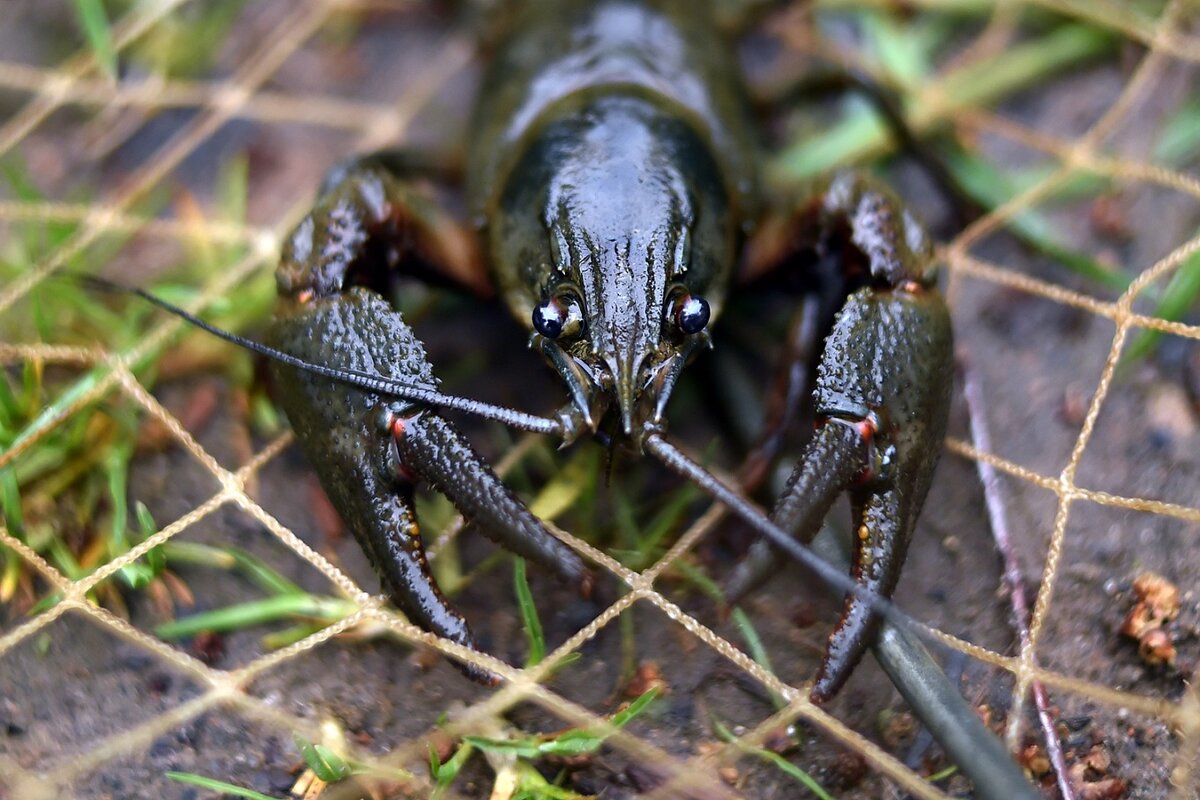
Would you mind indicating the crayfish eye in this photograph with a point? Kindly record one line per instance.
(689, 312)
(558, 315)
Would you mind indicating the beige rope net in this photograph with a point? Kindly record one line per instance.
(1162, 41)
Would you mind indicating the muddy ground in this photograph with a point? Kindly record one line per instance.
(1037, 363)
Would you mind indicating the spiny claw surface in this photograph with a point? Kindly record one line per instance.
(367, 450)
(883, 393)
(880, 399)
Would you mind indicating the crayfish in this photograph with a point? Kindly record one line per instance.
(615, 201)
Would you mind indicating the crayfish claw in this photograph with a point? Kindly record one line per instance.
(883, 528)
(881, 398)
(433, 449)
(391, 538)
(830, 461)
(884, 381)
(370, 449)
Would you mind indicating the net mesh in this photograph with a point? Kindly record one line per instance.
(246, 93)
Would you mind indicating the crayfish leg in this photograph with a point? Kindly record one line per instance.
(372, 223)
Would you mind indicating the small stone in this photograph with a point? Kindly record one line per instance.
(805, 615)
(1076, 723)
(1035, 760)
(1109, 217)
(896, 727)
(1157, 604)
(1098, 759)
(1168, 411)
(1074, 405)
(208, 647)
(779, 741)
(424, 658)
(1089, 777)
(1156, 648)
(1159, 593)
(848, 770)
(648, 676)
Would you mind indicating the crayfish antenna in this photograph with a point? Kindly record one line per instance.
(830, 461)
(685, 466)
(363, 380)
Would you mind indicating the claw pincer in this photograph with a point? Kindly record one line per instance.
(368, 450)
(882, 396)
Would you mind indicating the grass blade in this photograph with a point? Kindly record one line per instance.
(757, 651)
(777, 760)
(94, 21)
(1180, 295)
(218, 786)
(257, 612)
(529, 615)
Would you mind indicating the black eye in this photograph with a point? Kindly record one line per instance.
(556, 316)
(691, 313)
(549, 317)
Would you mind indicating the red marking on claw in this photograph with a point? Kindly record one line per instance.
(867, 429)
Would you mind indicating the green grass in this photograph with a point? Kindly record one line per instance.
(68, 495)
(182, 45)
(907, 61)
(215, 785)
(444, 773)
(1175, 302)
(324, 762)
(758, 650)
(779, 762)
(573, 742)
(529, 615)
(94, 21)
(1177, 145)
(519, 754)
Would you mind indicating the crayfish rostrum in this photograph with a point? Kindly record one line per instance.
(615, 201)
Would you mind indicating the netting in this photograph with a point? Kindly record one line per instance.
(1157, 41)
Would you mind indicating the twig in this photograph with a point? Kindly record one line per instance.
(993, 497)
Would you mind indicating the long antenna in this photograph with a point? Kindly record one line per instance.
(680, 463)
(363, 380)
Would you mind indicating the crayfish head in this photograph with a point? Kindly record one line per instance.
(620, 358)
(619, 314)
(633, 229)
